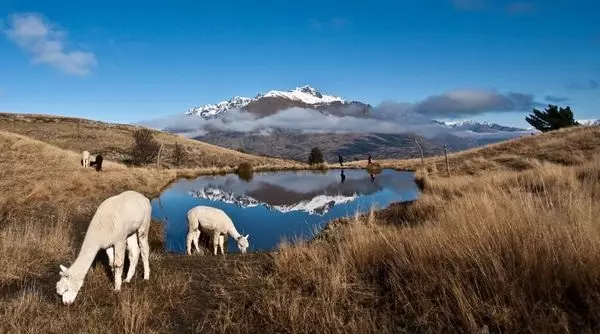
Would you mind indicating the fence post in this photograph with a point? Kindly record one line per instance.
(446, 156)
(420, 149)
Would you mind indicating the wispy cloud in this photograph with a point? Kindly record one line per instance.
(46, 43)
(584, 85)
(556, 99)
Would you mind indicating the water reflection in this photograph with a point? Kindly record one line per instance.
(270, 206)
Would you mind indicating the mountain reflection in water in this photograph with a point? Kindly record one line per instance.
(279, 205)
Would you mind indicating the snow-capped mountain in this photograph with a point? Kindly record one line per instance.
(274, 100)
(589, 122)
(318, 205)
(478, 127)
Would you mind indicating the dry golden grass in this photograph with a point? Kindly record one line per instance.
(569, 146)
(514, 248)
(114, 141)
(512, 251)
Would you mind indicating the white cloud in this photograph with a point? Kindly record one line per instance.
(47, 43)
(305, 120)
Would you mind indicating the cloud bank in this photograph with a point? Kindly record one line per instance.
(46, 43)
(389, 117)
(461, 103)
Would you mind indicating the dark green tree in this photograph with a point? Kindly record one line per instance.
(315, 156)
(552, 118)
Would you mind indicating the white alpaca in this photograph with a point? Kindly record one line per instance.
(212, 220)
(85, 159)
(117, 224)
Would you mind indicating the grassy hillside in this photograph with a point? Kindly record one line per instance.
(114, 141)
(512, 248)
(570, 146)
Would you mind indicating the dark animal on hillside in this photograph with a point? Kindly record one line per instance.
(340, 159)
(97, 163)
(369, 157)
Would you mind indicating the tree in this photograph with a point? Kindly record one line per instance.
(315, 156)
(179, 154)
(552, 118)
(145, 147)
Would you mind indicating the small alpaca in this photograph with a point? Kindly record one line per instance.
(85, 159)
(216, 221)
(117, 224)
(97, 163)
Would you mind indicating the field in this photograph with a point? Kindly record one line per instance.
(509, 243)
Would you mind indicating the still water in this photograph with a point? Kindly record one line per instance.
(279, 205)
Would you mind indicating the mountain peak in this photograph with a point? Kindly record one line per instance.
(302, 94)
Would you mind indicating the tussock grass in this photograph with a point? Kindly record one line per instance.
(510, 251)
(569, 147)
(511, 242)
(114, 141)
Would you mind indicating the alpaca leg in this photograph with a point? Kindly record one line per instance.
(189, 240)
(110, 253)
(145, 250)
(119, 260)
(196, 240)
(221, 242)
(215, 241)
(134, 254)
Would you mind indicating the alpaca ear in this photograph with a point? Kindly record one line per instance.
(247, 235)
(64, 270)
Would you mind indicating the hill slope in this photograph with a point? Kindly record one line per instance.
(482, 250)
(114, 141)
(569, 146)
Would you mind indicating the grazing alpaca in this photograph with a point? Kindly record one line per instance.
(85, 159)
(97, 163)
(216, 221)
(117, 223)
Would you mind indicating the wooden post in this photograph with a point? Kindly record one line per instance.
(158, 157)
(446, 155)
(420, 149)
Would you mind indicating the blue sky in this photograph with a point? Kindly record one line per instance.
(129, 61)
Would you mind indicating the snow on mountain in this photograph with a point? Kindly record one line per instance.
(318, 205)
(589, 122)
(478, 127)
(305, 94)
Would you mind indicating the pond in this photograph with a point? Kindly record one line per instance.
(273, 206)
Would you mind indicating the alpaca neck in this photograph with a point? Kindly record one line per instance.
(86, 257)
(234, 233)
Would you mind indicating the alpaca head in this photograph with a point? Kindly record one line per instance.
(68, 286)
(243, 243)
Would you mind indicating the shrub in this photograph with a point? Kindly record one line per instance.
(315, 156)
(179, 154)
(245, 171)
(145, 147)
